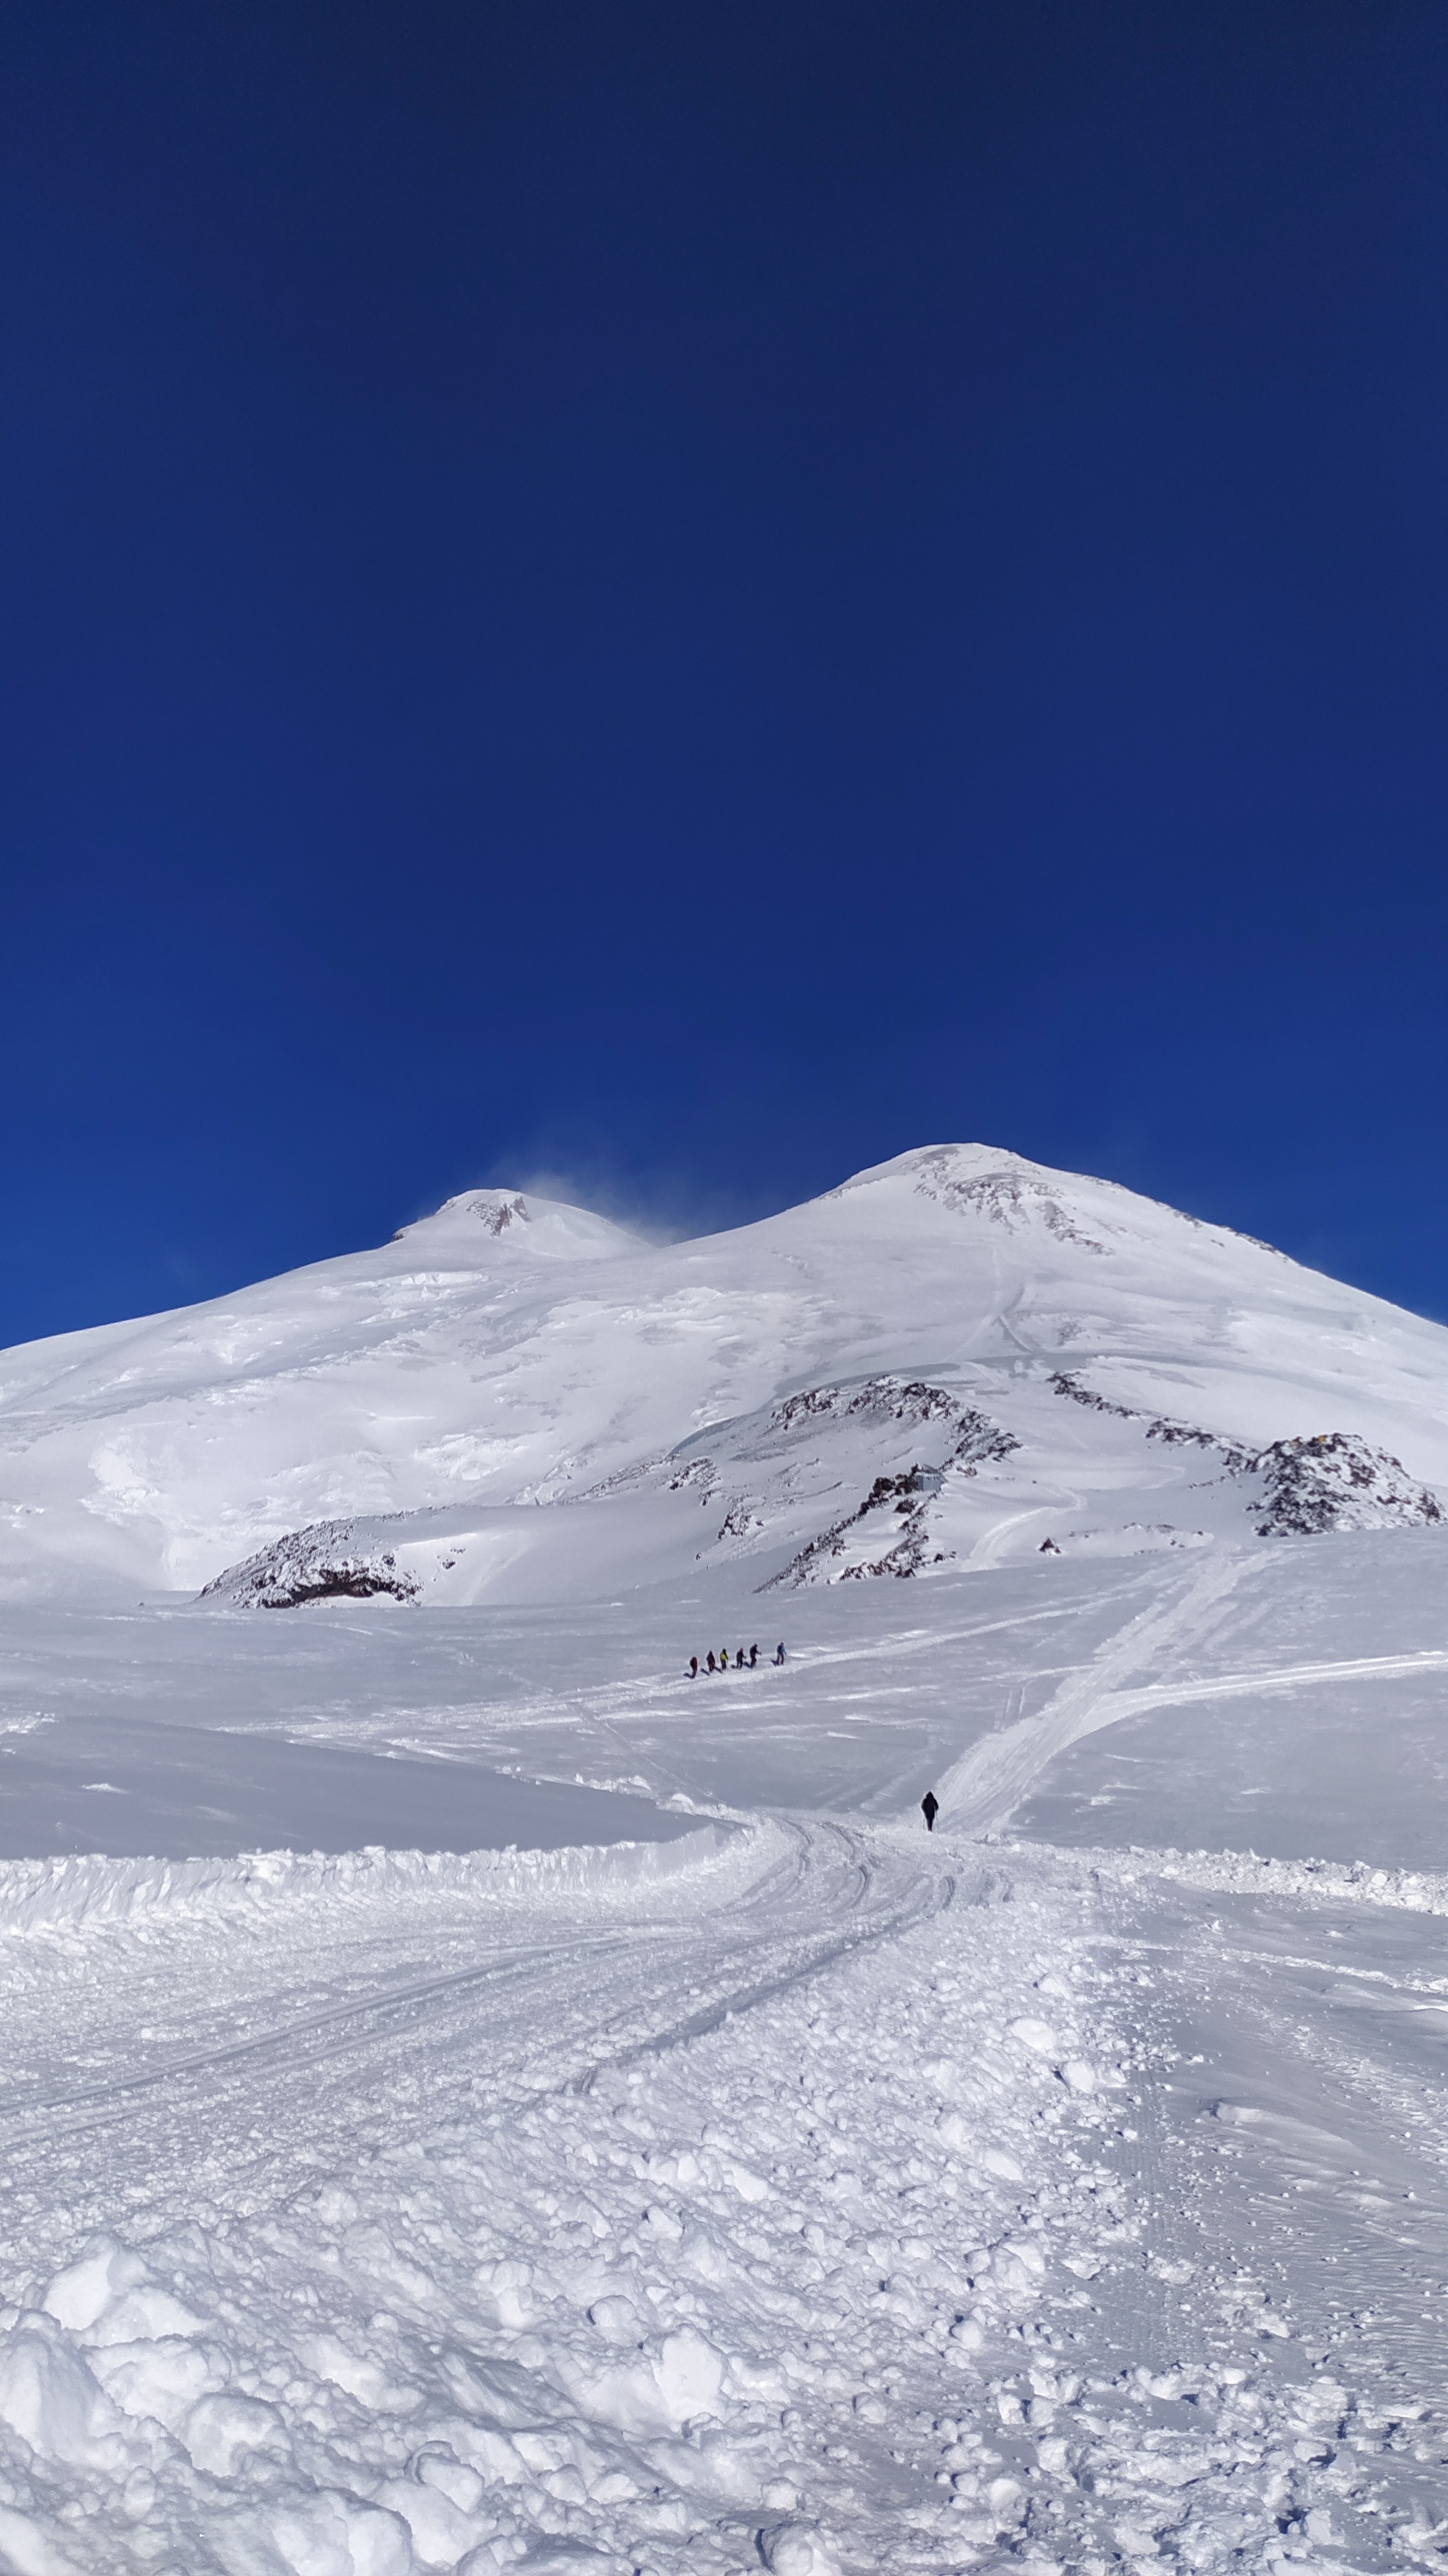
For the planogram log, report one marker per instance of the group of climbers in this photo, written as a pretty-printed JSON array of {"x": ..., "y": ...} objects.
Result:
[
  {"x": 929, "y": 1804},
  {"x": 720, "y": 1663}
]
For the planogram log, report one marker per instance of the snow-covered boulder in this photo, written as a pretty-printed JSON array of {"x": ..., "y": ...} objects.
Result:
[{"x": 323, "y": 1563}]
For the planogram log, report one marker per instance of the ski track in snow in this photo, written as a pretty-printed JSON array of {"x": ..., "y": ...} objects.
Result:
[{"x": 990, "y": 1780}]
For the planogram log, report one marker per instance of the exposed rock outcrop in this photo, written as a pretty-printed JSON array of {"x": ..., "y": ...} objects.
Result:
[
  {"x": 1336, "y": 1482},
  {"x": 322, "y": 1563}
]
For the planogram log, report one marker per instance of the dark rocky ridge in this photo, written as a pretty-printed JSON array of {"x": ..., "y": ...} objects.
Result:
[{"x": 1318, "y": 1481}]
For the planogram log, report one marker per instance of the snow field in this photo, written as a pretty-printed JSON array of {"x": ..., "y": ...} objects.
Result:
[
  {"x": 658, "y": 2303},
  {"x": 803, "y": 2191},
  {"x": 482, "y": 2308},
  {"x": 823, "y": 2205},
  {"x": 1291, "y": 2190}
]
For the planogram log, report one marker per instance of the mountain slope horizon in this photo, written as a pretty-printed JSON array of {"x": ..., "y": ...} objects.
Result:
[{"x": 1059, "y": 1364}]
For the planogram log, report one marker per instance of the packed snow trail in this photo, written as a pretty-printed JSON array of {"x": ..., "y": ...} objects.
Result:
[
  {"x": 216, "y": 2187},
  {"x": 993, "y": 1777},
  {"x": 324, "y": 2015},
  {"x": 851, "y": 2229}
]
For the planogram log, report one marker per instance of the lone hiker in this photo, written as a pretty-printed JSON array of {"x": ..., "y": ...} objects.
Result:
[{"x": 930, "y": 1809}]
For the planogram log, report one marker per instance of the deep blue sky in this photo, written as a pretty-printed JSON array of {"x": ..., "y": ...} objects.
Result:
[{"x": 693, "y": 595}]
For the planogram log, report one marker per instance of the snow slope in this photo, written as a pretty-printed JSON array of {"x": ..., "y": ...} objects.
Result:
[
  {"x": 519, "y": 1401},
  {"x": 680, "y": 2161}
]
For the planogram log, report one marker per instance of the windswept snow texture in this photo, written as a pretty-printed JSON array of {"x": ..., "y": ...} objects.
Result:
[{"x": 478, "y": 2098}]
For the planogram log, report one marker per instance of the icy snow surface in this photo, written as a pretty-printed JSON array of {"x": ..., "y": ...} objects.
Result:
[{"x": 477, "y": 2098}]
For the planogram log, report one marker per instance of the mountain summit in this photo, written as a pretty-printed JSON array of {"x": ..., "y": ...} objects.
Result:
[{"x": 953, "y": 1358}]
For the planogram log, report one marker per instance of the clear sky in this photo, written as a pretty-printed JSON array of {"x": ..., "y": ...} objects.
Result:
[{"x": 688, "y": 596}]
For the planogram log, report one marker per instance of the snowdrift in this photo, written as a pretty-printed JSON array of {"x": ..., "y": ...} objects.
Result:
[{"x": 68, "y": 1899}]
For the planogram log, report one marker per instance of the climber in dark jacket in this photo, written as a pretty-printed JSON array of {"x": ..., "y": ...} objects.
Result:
[
  {"x": 693, "y": 1668},
  {"x": 753, "y": 1657},
  {"x": 711, "y": 1659},
  {"x": 930, "y": 1809},
  {"x": 779, "y": 1652}
]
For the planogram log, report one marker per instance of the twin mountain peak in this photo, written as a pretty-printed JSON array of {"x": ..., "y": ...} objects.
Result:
[{"x": 956, "y": 1361}]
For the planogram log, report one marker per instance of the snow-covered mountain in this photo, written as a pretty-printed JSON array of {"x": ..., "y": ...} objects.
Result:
[
  {"x": 955, "y": 1358},
  {"x": 480, "y": 2096}
]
